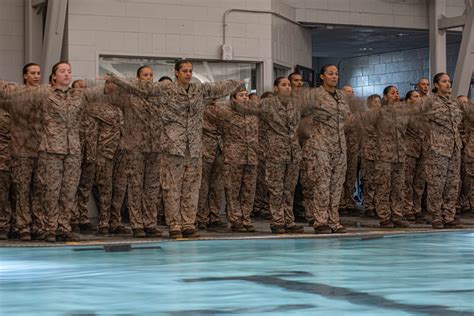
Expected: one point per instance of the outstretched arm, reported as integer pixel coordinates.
(220, 89)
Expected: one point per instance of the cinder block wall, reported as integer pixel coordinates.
(371, 74)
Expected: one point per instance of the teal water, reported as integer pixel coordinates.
(419, 274)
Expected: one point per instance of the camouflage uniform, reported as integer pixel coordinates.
(24, 153)
(467, 192)
(130, 161)
(240, 147)
(211, 193)
(352, 141)
(414, 176)
(390, 163)
(90, 133)
(443, 159)
(368, 152)
(260, 206)
(110, 121)
(5, 211)
(324, 159)
(283, 155)
(181, 144)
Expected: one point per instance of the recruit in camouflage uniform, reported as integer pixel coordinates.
(24, 153)
(181, 146)
(89, 134)
(390, 165)
(211, 192)
(59, 151)
(467, 192)
(414, 176)
(240, 147)
(352, 141)
(282, 115)
(130, 162)
(443, 160)
(111, 121)
(5, 210)
(324, 160)
(368, 153)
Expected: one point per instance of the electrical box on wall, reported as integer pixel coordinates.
(226, 52)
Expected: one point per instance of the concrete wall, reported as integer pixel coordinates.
(386, 13)
(371, 74)
(186, 29)
(11, 39)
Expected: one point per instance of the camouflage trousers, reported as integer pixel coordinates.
(5, 210)
(369, 184)
(180, 180)
(323, 180)
(347, 200)
(281, 181)
(467, 184)
(104, 183)
(414, 185)
(260, 205)
(84, 190)
(59, 177)
(443, 180)
(152, 193)
(390, 189)
(128, 179)
(29, 215)
(211, 193)
(240, 182)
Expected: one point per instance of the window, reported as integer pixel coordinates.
(203, 71)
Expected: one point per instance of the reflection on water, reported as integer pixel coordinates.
(429, 274)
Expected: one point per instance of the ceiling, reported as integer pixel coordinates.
(346, 41)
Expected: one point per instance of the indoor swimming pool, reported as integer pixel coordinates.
(414, 274)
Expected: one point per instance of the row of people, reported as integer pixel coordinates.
(142, 138)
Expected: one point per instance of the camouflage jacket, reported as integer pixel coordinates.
(211, 137)
(368, 140)
(239, 134)
(181, 111)
(327, 131)
(414, 138)
(109, 122)
(468, 131)
(25, 136)
(282, 120)
(444, 118)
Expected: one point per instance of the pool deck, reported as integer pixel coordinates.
(357, 227)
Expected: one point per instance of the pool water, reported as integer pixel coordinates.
(417, 274)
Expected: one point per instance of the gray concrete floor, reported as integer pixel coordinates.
(357, 227)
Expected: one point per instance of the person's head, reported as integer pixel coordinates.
(347, 88)
(110, 87)
(79, 84)
(31, 74)
(442, 84)
(374, 102)
(145, 73)
(266, 94)
(183, 70)
(412, 97)
(61, 74)
(462, 99)
(254, 97)
(423, 86)
(296, 81)
(282, 87)
(240, 95)
(329, 75)
(165, 79)
(391, 95)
